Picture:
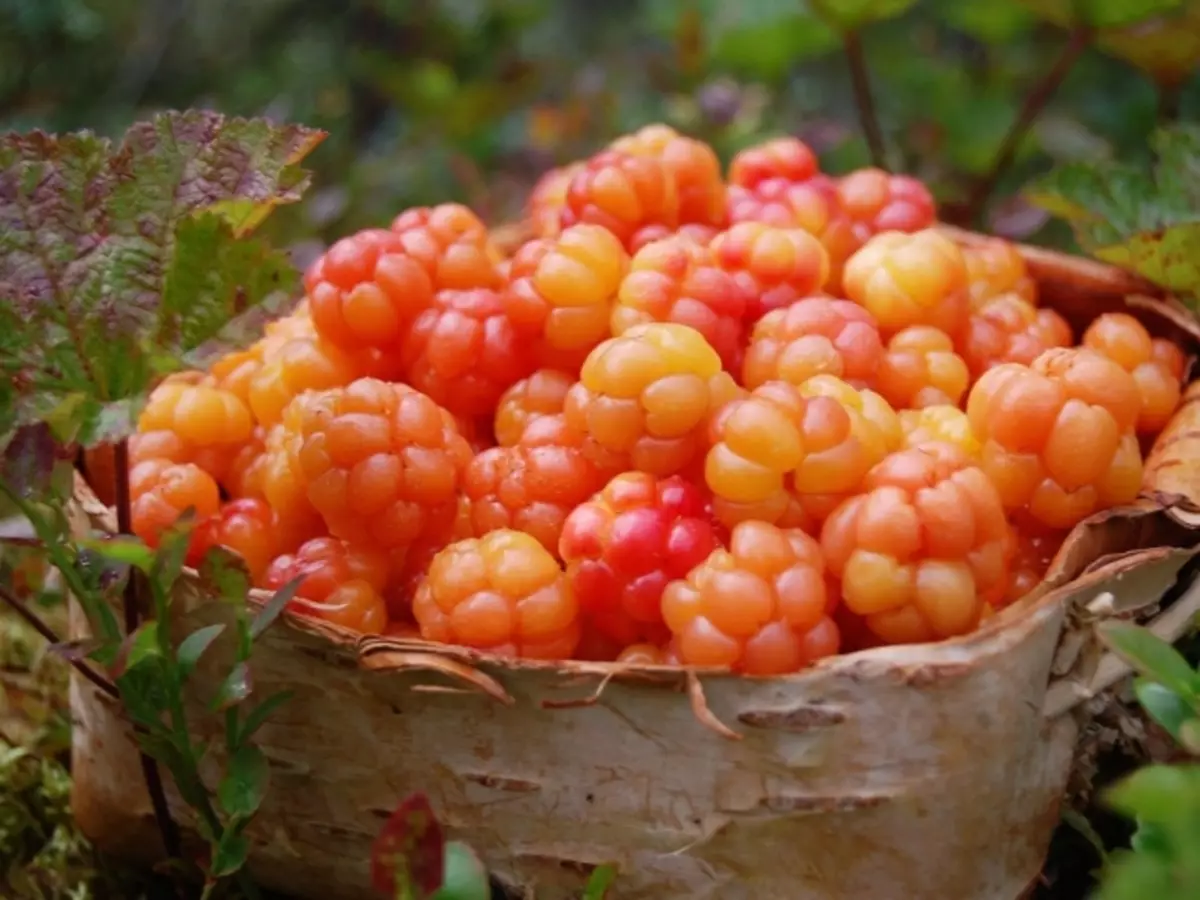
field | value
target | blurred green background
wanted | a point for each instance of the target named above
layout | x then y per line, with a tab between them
429	100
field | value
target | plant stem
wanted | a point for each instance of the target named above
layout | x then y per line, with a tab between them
21	609
1169	97
860	81
132	607
1035	102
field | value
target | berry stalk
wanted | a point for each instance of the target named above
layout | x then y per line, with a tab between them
1035	102
131	603
860	82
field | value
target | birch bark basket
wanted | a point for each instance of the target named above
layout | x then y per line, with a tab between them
932	771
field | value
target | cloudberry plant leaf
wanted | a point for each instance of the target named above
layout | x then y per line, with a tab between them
230	854
101	285
599	882
850	15
1146	220
408	856
1152	656
273	607
244	786
258	716
234	689
192	647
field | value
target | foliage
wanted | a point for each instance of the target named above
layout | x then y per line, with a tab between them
120	259
1142	218
1164	800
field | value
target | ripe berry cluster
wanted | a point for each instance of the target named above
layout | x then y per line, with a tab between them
746	419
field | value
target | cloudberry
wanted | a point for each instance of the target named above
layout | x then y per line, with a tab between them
1125	341
786	158
282	485
876	201
923	548
947	424
366	289
160	491
541	394
775	265
645	398
646	655
1009	328
1057	437
623	193
810	337
303	364
920	368
382	463
451	243
697	234
245	527
532	485
548	198
504	593
560	294
787	204
1033	551
245	473
761	607
342	583
464	351
235	370
780	456
678	280
996	267
909	279
211	423
623	547
693	165
409	565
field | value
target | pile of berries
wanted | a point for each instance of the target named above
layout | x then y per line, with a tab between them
745	420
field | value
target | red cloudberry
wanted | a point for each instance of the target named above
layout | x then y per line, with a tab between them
786	158
541	394
452	245
342	583
692	164
813	336
623	547
623	193
920	368
245	527
776	266
1009	328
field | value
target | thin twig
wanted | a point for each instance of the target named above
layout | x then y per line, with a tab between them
132	608
47	632
860	81
1035	102
1169	98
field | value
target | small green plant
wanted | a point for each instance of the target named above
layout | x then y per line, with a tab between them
1164	800
120	263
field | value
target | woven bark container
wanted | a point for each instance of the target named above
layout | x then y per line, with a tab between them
932	772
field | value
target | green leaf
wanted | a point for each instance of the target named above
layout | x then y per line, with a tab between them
226	574
137	647
463	875
273	607
1164	706
241	791
1151	656
599	882
1159	794
1136	877
234	689
124	550
230	854
146	690
259	715
101	246
1144	220
1102	14
192	647
172	552
851	15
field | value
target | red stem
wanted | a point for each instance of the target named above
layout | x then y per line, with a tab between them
21	609
860	81
1035	102
132	604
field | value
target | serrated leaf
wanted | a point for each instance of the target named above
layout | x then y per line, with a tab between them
1146	220
273	607
1164	706
241	791
230	854
235	688
851	15
1151	656
100	248
408	856
259	715
192	647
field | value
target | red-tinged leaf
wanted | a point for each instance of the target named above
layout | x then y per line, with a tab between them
116	261
27	465
408	856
